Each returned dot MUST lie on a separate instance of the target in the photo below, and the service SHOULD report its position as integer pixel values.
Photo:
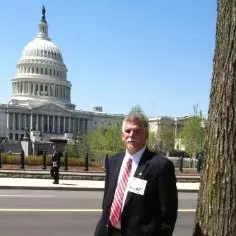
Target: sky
(120, 53)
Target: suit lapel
(116, 170)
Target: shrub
(38, 160)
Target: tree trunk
(216, 207)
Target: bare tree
(216, 207)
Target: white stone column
(74, 131)
(31, 121)
(42, 123)
(37, 122)
(59, 91)
(79, 129)
(64, 125)
(25, 121)
(59, 124)
(69, 125)
(49, 90)
(29, 88)
(8, 120)
(19, 121)
(56, 91)
(66, 93)
(13, 121)
(24, 87)
(44, 91)
(84, 125)
(48, 124)
(53, 124)
(89, 125)
(34, 90)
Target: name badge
(54, 164)
(137, 186)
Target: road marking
(187, 210)
(25, 196)
(49, 210)
(67, 210)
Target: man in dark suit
(55, 165)
(146, 203)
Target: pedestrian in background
(55, 165)
(140, 196)
(199, 163)
(181, 160)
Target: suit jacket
(151, 214)
(56, 157)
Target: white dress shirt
(135, 161)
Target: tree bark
(216, 207)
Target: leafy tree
(216, 205)
(163, 139)
(102, 141)
(139, 110)
(153, 141)
(193, 133)
(79, 148)
(113, 140)
(96, 139)
(166, 137)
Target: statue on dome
(43, 12)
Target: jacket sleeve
(168, 198)
(58, 157)
(106, 182)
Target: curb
(77, 176)
(62, 188)
(59, 188)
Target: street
(68, 213)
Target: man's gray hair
(134, 115)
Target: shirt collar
(136, 156)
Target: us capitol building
(41, 95)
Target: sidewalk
(72, 185)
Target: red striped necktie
(116, 206)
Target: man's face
(134, 136)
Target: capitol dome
(41, 48)
(41, 74)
